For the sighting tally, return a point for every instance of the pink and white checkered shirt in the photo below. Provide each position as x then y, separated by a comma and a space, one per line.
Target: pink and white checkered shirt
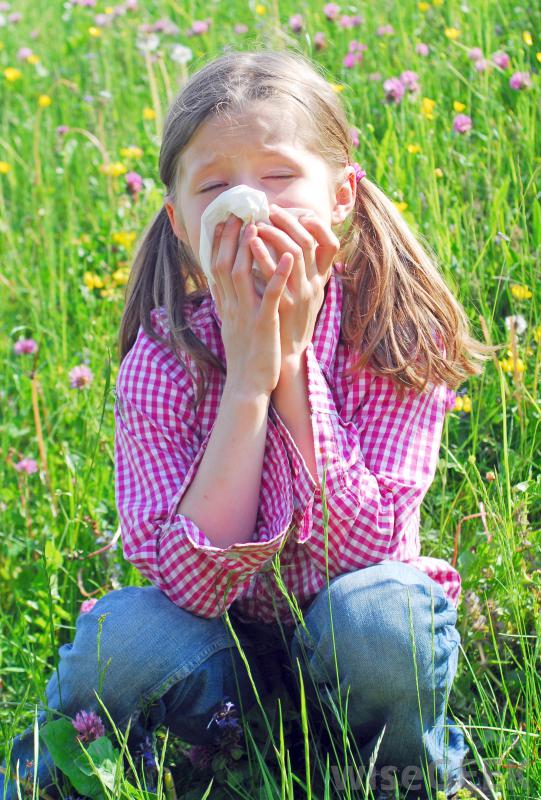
382, 457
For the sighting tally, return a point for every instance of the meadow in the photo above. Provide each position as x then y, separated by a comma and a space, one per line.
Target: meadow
443, 99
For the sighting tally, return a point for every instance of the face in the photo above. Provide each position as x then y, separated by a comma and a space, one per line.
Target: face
254, 150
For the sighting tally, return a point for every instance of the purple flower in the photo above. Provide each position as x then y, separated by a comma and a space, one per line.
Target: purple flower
62, 129
320, 43
331, 10
475, 54
385, 30
25, 346
87, 605
462, 123
226, 717
346, 22
520, 80
353, 132
199, 27
501, 59
296, 23
101, 20
166, 26
80, 377
15, 17
144, 750
241, 28
27, 465
357, 20
88, 725
134, 183
422, 49
394, 90
410, 80
23, 53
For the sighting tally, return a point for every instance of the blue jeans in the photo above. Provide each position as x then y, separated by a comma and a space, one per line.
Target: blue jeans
396, 653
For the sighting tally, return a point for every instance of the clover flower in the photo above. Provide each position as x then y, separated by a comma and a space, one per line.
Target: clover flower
88, 725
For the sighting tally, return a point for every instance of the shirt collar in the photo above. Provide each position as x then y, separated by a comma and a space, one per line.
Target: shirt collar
327, 329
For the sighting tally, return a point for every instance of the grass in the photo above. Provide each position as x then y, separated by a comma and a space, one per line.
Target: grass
67, 231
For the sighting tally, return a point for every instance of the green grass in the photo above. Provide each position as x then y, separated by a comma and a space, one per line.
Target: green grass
474, 197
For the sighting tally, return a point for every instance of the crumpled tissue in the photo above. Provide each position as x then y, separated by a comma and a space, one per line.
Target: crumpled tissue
250, 205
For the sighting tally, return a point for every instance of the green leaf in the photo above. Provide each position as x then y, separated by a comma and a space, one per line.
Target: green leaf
60, 738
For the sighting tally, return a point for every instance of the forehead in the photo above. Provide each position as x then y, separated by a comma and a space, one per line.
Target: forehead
257, 133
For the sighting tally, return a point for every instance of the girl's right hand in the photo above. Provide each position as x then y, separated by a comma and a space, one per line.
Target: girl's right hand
250, 325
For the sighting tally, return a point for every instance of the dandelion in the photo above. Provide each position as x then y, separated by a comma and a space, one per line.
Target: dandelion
44, 100
80, 377
25, 346
331, 11
520, 80
12, 74
520, 292
182, 55
517, 323
149, 113
452, 33
394, 90
88, 725
427, 107
462, 123
4, 167
87, 605
501, 59
422, 49
28, 465
115, 169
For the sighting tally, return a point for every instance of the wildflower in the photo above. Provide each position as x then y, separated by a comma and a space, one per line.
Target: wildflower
44, 100
144, 750
394, 90
87, 605
131, 152
462, 403
181, 54
410, 80
520, 292
475, 53
320, 43
167, 26
516, 322
422, 49
199, 27
452, 33
462, 123
260, 9
473, 605
337, 87
346, 22
124, 238
427, 107
501, 59
114, 169
28, 465
520, 80
490, 476
511, 365
414, 148
88, 725
149, 113
457, 106
12, 74
537, 333
25, 346
400, 205
23, 53
438, 172
134, 183
120, 276
94, 32
4, 167
33, 59
80, 377
423, 6
482, 65
296, 23
331, 11
527, 38
241, 28
92, 281
385, 30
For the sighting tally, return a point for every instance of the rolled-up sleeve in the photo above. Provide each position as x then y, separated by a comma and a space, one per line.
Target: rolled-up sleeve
378, 466
157, 453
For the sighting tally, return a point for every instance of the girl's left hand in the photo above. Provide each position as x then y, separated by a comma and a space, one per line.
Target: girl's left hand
313, 246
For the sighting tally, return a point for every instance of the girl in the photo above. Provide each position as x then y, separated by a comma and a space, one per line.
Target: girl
241, 422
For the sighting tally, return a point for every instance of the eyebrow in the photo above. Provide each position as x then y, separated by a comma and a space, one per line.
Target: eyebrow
213, 161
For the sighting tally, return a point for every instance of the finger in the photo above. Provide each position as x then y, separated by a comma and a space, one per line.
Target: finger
291, 225
283, 243
241, 274
276, 286
225, 257
264, 260
214, 281
328, 244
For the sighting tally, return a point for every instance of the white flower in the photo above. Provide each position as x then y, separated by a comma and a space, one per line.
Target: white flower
148, 42
180, 54
518, 322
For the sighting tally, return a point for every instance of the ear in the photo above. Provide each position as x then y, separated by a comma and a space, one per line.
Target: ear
176, 223
345, 195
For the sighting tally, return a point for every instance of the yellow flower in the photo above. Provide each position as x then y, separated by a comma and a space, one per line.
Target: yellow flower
120, 276
458, 403
537, 334
427, 107
4, 167
124, 238
438, 172
401, 206
527, 38
414, 148
510, 366
92, 281
131, 152
437, 2
260, 9
149, 113
452, 33
458, 106
12, 74
109, 9
33, 59
95, 32
336, 87
44, 100
108, 293
538, 56
115, 169
423, 6
466, 404
520, 292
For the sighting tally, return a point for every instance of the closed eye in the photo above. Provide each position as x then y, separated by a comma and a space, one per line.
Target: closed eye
269, 177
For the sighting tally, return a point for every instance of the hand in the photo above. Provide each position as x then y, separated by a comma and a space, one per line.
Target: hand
313, 246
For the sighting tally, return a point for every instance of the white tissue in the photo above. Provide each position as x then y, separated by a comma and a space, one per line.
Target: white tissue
250, 205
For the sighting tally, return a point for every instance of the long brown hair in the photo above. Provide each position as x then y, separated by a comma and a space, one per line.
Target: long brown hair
398, 312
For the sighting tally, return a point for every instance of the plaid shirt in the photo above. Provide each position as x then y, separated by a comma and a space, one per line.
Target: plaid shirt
382, 456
